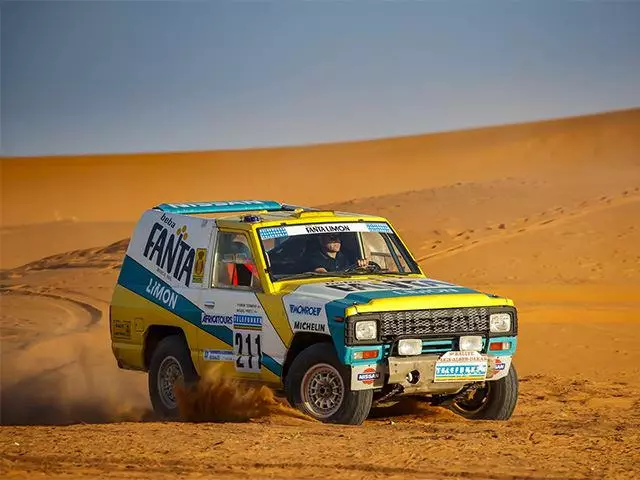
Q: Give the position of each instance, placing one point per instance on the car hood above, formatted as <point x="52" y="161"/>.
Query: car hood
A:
<point x="394" y="293"/>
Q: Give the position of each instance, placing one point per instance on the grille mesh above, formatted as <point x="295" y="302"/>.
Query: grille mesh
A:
<point x="474" y="320"/>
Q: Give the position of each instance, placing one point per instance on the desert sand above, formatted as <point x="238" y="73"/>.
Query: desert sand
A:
<point x="546" y="213"/>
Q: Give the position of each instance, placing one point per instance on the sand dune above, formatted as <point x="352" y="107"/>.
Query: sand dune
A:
<point x="27" y="243"/>
<point x="116" y="188"/>
<point x="545" y="213"/>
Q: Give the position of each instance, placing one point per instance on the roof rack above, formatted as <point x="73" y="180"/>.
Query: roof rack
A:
<point x="227" y="206"/>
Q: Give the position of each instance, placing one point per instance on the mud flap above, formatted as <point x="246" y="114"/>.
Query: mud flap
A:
<point x="367" y="376"/>
<point x="498" y="366"/>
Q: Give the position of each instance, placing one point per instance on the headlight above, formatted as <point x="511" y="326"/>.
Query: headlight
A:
<point x="410" y="346"/>
<point x="471" y="343"/>
<point x="366" y="330"/>
<point x="499" y="322"/>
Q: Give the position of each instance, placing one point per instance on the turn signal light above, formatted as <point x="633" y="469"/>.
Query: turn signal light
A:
<point x="500" y="346"/>
<point x="365" y="354"/>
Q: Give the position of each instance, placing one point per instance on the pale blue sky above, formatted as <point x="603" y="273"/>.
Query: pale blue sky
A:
<point x="118" y="76"/>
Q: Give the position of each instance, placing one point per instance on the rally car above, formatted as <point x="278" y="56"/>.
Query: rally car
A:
<point x="328" y="307"/>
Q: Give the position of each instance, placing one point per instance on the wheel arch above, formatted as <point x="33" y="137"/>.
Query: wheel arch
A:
<point x="154" y="335"/>
<point x="301" y="341"/>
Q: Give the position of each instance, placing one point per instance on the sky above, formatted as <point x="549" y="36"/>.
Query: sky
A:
<point x="81" y="77"/>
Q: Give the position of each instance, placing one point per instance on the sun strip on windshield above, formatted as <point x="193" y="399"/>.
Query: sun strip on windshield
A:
<point x="318" y="228"/>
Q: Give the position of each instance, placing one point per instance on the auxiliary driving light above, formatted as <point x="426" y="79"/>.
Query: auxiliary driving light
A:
<point x="472" y="343"/>
<point x="410" y="346"/>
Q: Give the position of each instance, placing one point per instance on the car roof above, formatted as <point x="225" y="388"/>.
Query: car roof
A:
<point x="247" y="213"/>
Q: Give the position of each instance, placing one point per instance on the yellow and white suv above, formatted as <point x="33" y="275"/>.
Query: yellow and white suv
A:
<point x="329" y="307"/>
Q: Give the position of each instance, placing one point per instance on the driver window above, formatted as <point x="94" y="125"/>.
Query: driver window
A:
<point x="235" y="265"/>
<point x="377" y="249"/>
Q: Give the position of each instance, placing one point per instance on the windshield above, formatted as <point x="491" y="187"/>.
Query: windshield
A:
<point x="330" y="249"/>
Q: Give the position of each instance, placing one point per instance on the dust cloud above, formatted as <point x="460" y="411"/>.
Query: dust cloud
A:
<point x="220" y="398"/>
<point x="69" y="381"/>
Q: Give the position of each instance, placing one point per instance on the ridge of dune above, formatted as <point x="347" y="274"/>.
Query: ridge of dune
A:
<point x="613" y="118"/>
<point x="118" y="187"/>
<point x="22" y="244"/>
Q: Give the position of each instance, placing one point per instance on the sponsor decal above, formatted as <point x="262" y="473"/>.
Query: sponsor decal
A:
<point x="496" y="366"/>
<point x="400" y="285"/>
<point x="217" y="204"/>
<point x="170" y="251"/>
<point x="168" y="220"/>
<point x="247" y="322"/>
<point x="220" y="355"/>
<point x="216" y="319"/>
<point x="460" y="370"/>
<point x="247" y="308"/>
<point x="309" y="326"/>
<point x="198" y="268"/>
<point x="327" y="228"/>
<point x="368" y="376"/>
<point x="121" y="329"/>
<point x="293" y="230"/>
<point x="138" y="324"/>
<point x="305" y="310"/>
<point x="162" y="293"/>
<point x="426" y="291"/>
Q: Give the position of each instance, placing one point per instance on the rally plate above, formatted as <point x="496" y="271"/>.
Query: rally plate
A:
<point x="461" y="367"/>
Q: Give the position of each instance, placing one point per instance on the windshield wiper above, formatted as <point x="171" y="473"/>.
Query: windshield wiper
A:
<point x="296" y="276"/>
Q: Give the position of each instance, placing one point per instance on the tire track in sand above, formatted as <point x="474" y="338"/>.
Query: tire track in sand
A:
<point x="66" y="377"/>
<point x="603" y="203"/>
<point x="95" y="314"/>
<point x="33" y="361"/>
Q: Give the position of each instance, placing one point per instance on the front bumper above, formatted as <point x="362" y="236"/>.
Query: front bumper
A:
<point x="417" y="374"/>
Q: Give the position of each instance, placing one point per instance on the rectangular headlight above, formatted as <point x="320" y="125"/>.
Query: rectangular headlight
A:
<point x="499" y="322"/>
<point x="410" y="346"/>
<point x="366" y="330"/>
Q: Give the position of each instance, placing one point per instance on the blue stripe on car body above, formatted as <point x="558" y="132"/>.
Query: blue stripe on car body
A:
<point x="136" y="278"/>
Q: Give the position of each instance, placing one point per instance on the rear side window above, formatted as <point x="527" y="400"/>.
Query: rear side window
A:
<point x="235" y="265"/>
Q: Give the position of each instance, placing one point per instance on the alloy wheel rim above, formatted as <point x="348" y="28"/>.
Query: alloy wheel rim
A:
<point x="169" y="372"/>
<point x="322" y="390"/>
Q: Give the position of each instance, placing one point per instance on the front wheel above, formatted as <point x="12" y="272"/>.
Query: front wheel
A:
<point x="170" y="364"/>
<point x="495" y="401"/>
<point x="319" y="385"/>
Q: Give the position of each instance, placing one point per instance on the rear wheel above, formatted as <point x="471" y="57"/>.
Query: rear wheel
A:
<point x="495" y="401"/>
<point x="170" y="365"/>
<point x="318" y="385"/>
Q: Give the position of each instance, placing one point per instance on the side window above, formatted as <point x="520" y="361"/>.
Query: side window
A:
<point x="381" y="249"/>
<point x="235" y="266"/>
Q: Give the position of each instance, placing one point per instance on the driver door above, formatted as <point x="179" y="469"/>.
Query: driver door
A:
<point x="233" y="323"/>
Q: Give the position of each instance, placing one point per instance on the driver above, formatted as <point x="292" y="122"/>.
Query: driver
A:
<point x="329" y="258"/>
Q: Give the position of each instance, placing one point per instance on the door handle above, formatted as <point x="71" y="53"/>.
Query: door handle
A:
<point x="210" y="304"/>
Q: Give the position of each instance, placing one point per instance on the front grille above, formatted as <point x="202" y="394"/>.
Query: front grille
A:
<point x="422" y="323"/>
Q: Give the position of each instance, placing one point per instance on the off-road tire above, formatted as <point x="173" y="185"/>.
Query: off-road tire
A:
<point x="354" y="406"/>
<point x="500" y="401"/>
<point x="170" y="351"/>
